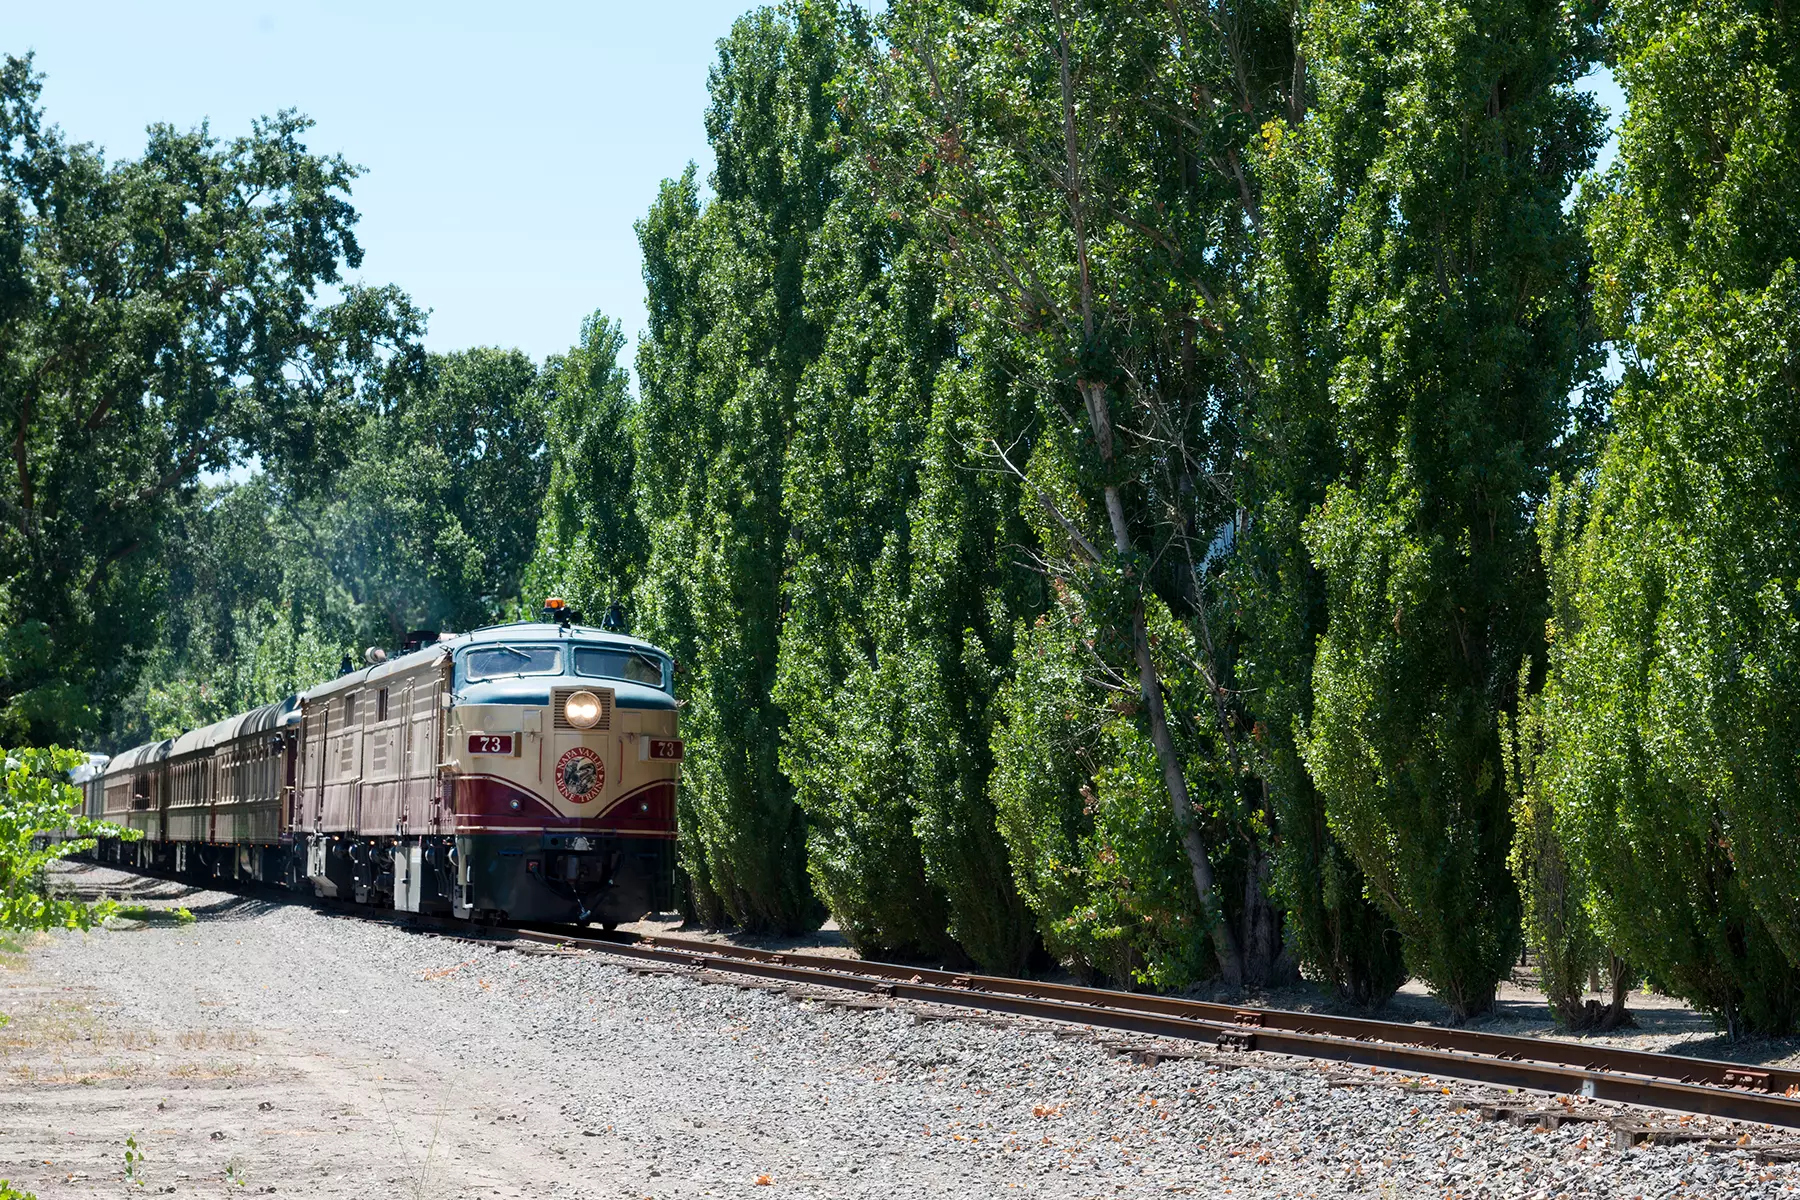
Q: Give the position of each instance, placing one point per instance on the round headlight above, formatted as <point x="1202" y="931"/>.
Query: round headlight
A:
<point x="582" y="710"/>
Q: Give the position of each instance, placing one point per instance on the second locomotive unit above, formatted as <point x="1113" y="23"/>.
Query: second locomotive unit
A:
<point x="523" y="771"/>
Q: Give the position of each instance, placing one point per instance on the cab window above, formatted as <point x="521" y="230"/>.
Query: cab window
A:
<point x="491" y="662"/>
<point x="609" y="662"/>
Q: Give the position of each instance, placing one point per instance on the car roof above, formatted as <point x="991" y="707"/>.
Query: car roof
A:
<point x="139" y="756"/>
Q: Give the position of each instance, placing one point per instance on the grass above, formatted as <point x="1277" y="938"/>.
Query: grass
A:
<point x="216" y="1069"/>
<point x="143" y="912"/>
<point x="217" y="1039"/>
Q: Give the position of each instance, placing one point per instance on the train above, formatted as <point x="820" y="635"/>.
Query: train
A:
<point x="520" y="772"/>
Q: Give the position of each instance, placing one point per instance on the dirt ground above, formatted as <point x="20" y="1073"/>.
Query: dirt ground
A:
<point x="99" y="1097"/>
<point x="265" y="1047"/>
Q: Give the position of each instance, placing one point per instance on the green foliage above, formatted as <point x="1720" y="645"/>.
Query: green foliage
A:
<point x="1452" y="134"/>
<point x="9" y="1192"/>
<point x="273" y="584"/>
<point x="816" y="554"/>
<point x="1081" y="168"/>
<point x="850" y="483"/>
<point x="158" y="317"/>
<point x="590" y="540"/>
<point x="1080" y="806"/>
<point x="233" y="633"/>
<point x="888" y="649"/>
<point x="730" y="339"/>
<point x="1554" y="897"/>
<point x="431" y="525"/>
<point x="1292" y="456"/>
<point x="1674" y="685"/>
<point x="134" y="1160"/>
<point x="41" y="821"/>
<point x="143" y="912"/>
<point x="1048" y="744"/>
<point x="968" y="586"/>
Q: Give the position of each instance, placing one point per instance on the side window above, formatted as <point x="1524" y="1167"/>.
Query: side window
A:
<point x="350" y="709"/>
<point x="381" y="711"/>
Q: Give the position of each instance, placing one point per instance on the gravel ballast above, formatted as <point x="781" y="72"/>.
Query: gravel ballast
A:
<point x="429" y="1066"/>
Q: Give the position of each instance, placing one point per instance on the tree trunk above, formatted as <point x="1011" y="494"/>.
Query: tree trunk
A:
<point x="1225" y="942"/>
<point x="1093" y="395"/>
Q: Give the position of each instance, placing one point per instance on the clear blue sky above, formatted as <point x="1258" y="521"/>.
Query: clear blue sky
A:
<point x="508" y="148"/>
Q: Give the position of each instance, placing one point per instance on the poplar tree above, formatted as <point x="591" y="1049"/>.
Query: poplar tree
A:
<point x="970" y="581"/>
<point x="729" y="339"/>
<point x="1083" y="169"/>
<point x="1670" y="730"/>
<point x="1453" y="134"/>
<point x="1292" y="455"/>
<point x="590" y="539"/>
<point x="896" y="591"/>
<point x="849" y="489"/>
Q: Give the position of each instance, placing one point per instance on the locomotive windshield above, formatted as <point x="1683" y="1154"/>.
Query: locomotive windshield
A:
<point x="488" y="662"/>
<point x="606" y="662"/>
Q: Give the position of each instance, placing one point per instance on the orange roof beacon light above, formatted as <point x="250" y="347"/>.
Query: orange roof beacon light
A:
<point x="558" y="612"/>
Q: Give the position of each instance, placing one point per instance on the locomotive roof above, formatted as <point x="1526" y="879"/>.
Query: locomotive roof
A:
<point x="286" y="712"/>
<point x="491" y="635"/>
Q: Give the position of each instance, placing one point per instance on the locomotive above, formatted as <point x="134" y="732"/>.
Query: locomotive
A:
<point x="524" y="772"/>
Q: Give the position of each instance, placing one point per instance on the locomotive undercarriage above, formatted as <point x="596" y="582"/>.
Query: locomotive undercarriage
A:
<point x="485" y="877"/>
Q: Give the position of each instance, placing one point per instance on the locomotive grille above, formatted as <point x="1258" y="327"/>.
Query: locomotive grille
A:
<point x="559" y="698"/>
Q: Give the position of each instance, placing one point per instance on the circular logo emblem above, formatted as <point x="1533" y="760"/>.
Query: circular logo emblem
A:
<point x="581" y="775"/>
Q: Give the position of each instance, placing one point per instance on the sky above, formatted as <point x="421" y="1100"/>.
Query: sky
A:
<point x="508" y="148"/>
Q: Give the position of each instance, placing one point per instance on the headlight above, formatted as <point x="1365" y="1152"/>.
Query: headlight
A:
<point x="582" y="710"/>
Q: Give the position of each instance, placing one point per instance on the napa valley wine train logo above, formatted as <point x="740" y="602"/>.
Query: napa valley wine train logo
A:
<point x="581" y="775"/>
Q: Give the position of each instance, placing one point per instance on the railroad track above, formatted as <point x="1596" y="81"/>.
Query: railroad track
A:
<point x="1710" y="1087"/>
<point x="1769" y="1095"/>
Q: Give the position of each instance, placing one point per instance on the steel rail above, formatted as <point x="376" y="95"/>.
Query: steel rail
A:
<point x="1665" y="1081"/>
<point x="1769" y="1095"/>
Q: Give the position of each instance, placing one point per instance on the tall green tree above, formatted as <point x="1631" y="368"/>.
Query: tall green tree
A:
<point x="1084" y="170"/>
<point x="251" y="615"/>
<point x="890" y="650"/>
<point x="730" y="337"/>
<point x="1292" y="455"/>
<point x="1670" y="711"/>
<point x="972" y="580"/>
<point x="590" y="541"/>
<point x="273" y="581"/>
<point x="849" y="489"/>
<point x="1453" y="134"/>
<point x="158" y="317"/>
<point x="1077" y="787"/>
<point x="433" y="520"/>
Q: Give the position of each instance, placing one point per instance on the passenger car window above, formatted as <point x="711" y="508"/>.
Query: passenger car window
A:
<point x="636" y="666"/>
<point x="488" y="662"/>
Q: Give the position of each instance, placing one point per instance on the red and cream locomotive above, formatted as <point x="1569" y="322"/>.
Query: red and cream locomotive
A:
<point x="523" y="772"/>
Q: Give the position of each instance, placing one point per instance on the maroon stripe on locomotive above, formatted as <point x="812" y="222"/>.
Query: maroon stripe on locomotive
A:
<point x="484" y="804"/>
